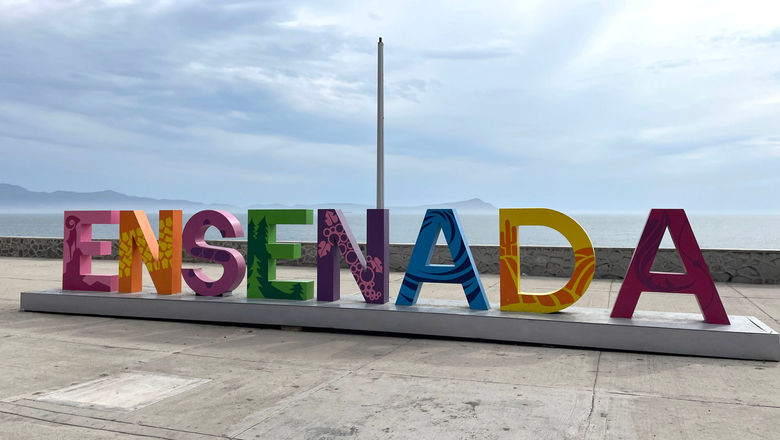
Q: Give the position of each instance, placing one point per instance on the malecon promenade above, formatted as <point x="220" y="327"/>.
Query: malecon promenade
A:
<point x="95" y="378"/>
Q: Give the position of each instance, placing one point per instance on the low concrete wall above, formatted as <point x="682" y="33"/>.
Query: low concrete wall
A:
<point x="739" y="266"/>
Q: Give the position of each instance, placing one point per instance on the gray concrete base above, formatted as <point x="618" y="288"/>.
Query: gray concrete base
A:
<point x="657" y="332"/>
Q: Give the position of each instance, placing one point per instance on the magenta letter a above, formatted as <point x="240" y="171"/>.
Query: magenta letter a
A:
<point x="697" y="279"/>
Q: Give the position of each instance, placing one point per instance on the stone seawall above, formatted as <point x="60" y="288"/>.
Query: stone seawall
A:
<point x="734" y="265"/>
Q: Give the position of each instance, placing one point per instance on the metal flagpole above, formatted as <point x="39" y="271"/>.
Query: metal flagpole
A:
<point x="380" y="130"/>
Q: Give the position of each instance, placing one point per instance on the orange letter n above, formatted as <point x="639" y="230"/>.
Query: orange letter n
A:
<point x="137" y="247"/>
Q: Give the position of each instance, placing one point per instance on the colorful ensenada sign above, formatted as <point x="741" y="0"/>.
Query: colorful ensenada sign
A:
<point x="547" y="318"/>
<point x="162" y="258"/>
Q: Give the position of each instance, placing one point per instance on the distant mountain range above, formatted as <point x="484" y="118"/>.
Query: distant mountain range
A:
<point x="14" y="198"/>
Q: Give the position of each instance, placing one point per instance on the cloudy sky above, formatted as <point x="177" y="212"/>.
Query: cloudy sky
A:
<point x="579" y="106"/>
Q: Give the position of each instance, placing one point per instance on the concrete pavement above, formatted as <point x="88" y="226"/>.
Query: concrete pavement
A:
<point x="264" y="383"/>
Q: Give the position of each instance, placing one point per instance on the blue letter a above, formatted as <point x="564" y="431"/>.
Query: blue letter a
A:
<point x="421" y="270"/>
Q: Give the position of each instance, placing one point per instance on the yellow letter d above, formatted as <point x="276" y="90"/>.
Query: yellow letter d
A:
<point x="514" y="300"/>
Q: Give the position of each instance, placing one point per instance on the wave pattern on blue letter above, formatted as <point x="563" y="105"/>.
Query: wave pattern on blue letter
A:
<point x="463" y="271"/>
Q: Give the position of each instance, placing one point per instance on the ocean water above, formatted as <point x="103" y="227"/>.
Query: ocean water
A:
<point x="609" y="230"/>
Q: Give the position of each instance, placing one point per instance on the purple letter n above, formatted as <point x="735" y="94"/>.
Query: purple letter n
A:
<point x="371" y="272"/>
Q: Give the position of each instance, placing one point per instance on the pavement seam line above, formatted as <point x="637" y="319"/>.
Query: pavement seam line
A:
<point x="282" y="405"/>
<point x="54" y="422"/>
<point x="150" y="350"/>
<point x="105" y="419"/>
<point x="492" y="382"/>
<point x="408" y="340"/>
<point x="736" y="290"/>
<point x="113" y="347"/>
<point x="684" y="399"/>
<point x="239" y="337"/>
<point x="750" y="300"/>
<point x="256" y="361"/>
<point x="593" y="393"/>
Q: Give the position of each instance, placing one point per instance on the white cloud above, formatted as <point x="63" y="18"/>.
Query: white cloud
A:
<point x="536" y="94"/>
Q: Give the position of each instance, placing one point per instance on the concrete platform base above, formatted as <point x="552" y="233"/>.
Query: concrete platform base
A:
<point x="657" y="332"/>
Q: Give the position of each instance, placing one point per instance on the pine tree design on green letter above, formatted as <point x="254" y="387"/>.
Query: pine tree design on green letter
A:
<point x="263" y="251"/>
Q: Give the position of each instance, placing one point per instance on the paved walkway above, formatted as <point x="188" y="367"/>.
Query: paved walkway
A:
<point x="259" y="383"/>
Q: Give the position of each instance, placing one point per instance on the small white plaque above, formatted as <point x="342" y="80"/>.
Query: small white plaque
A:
<point x="125" y="392"/>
